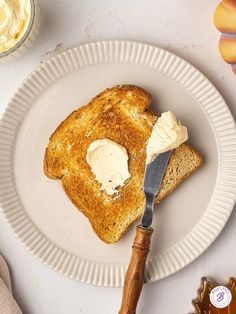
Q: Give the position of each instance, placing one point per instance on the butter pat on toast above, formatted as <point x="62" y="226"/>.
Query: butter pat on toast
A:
<point x="119" y="114"/>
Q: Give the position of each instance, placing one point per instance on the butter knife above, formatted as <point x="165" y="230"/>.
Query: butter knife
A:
<point x="134" y="278"/>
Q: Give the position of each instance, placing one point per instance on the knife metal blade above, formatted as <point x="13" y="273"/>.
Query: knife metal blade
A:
<point x="154" y="174"/>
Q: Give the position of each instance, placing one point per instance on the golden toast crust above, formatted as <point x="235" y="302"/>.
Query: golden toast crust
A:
<point x="120" y="114"/>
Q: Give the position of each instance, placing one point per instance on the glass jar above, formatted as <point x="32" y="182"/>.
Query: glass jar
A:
<point x="27" y="38"/>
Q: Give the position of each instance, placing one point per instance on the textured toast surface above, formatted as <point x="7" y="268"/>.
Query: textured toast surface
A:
<point x="119" y="114"/>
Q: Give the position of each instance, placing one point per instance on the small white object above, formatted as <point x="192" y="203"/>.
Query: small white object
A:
<point x="220" y="297"/>
<point x="109" y="162"/>
<point x="167" y="134"/>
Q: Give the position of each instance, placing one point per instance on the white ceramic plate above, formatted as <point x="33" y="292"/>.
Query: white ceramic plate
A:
<point x="39" y="212"/>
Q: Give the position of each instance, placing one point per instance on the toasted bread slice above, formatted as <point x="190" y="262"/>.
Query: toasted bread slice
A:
<point x="119" y="114"/>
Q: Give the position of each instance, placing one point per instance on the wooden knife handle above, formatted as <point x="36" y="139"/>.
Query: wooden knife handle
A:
<point x="134" y="278"/>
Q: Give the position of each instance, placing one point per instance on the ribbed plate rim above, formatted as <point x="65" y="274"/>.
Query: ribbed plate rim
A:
<point x="210" y="101"/>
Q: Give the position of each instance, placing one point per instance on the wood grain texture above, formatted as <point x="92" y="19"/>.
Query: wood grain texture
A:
<point x="135" y="274"/>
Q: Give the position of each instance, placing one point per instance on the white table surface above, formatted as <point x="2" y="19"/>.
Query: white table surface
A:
<point x="184" y="27"/>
